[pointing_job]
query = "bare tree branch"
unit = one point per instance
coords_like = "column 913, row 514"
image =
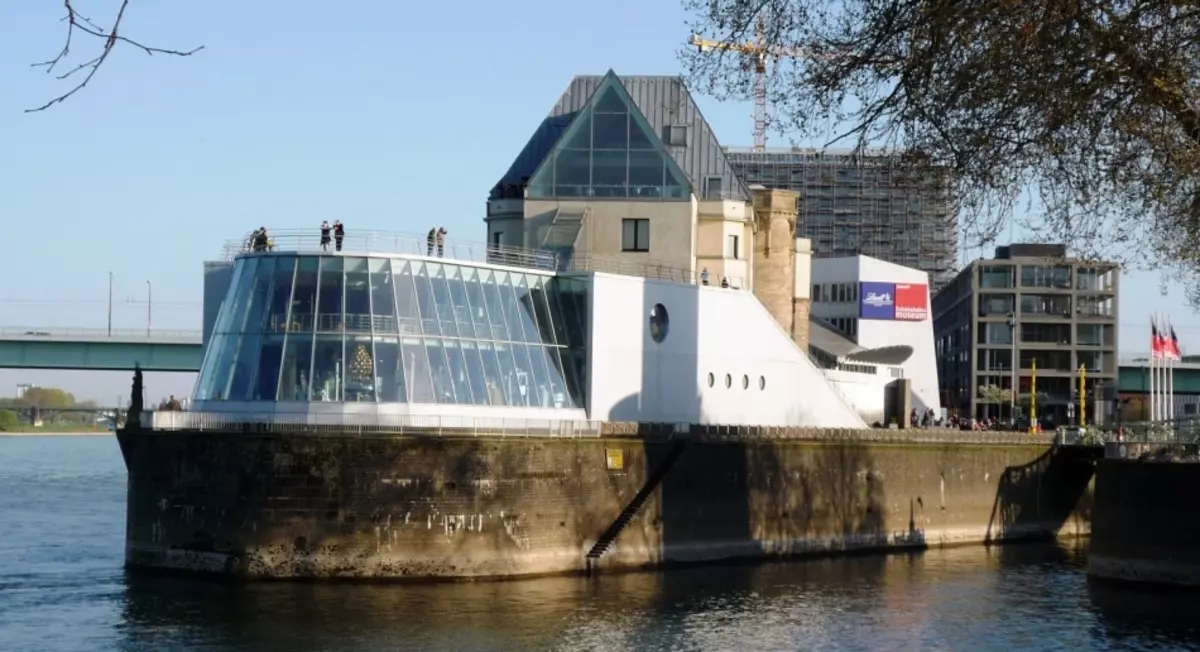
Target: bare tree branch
column 77, row 23
column 1088, row 111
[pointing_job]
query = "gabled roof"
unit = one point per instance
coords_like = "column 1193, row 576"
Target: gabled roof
column 664, row 101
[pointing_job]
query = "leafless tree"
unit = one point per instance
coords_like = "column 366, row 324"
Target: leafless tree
column 81, row 27
column 1089, row 105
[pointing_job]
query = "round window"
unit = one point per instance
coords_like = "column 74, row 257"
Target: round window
column 745, row 382
column 728, row 381
column 660, row 322
column 762, row 382
column 712, row 380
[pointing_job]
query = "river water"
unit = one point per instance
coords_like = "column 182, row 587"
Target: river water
column 62, row 587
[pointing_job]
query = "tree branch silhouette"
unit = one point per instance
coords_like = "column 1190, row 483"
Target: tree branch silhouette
column 78, row 24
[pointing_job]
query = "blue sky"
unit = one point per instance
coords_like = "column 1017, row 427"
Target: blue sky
column 387, row 115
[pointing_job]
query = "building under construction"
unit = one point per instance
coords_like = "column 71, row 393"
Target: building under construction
column 867, row 203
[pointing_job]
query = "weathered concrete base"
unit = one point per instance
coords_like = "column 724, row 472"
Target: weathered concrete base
column 1147, row 522
column 275, row 506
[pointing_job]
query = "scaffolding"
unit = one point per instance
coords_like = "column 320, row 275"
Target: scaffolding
column 866, row 202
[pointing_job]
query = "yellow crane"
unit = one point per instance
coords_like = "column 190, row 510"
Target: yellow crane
column 758, row 55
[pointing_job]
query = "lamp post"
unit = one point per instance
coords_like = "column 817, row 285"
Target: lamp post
column 1012, row 392
column 149, row 306
column 110, row 286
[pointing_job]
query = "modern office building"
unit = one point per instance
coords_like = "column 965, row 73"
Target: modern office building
column 866, row 203
column 1030, row 305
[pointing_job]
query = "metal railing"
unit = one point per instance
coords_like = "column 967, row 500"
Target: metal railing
column 383, row 242
column 361, row 424
column 650, row 269
column 33, row 332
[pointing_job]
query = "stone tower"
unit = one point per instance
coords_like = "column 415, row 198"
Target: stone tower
column 775, row 256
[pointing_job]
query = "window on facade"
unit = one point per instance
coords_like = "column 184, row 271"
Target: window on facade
column 1046, row 333
column 733, row 248
column 995, row 304
column 375, row 330
column 712, row 188
column 1046, row 276
column 1045, row 304
column 1094, row 306
column 497, row 238
column 999, row 276
column 1094, row 335
column 635, row 235
column 995, row 333
column 675, row 135
column 609, row 150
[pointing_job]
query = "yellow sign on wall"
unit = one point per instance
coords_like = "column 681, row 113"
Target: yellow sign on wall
column 615, row 459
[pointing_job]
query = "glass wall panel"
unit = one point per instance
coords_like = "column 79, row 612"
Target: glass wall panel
column 538, row 296
column 567, row 314
column 508, row 376
column 266, row 380
column 383, row 297
column 495, row 306
column 416, row 366
column 360, row 366
column 296, row 368
column 389, row 371
column 329, row 297
column 574, row 365
column 260, row 293
column 529, row 323
column 245, row 363
column 558, row 383
column 429, row 315
column 408, row 315
column 524, row 380
column 281, row 295
column 493, row 375
column 540, row 392
column 458, row 373
column 479, row 316
column 358, row 296
column 441, row 299
column 236, row 317
column 328, row 375
column 225, row 315
column 439, row 371
column 475, row 373
column 512, row 309
column 214, row 365
column 463, row 322
column 302, row 316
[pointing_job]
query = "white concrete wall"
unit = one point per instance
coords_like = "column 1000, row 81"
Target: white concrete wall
column 725, row 334
column 865, row 392
column 921, row 368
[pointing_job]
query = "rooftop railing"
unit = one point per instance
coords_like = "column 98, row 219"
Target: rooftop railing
column 34, row 332
column 383, row 242
column 318, row 424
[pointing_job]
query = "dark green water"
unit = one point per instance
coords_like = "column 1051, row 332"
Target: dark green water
column 62, row 587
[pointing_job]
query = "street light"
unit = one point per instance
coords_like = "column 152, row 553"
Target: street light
column 1012, row 393
column 149, row 306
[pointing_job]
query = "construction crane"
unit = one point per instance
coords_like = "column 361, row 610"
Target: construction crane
column 759, row 54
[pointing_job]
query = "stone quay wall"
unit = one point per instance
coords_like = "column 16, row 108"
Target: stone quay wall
column 271, row 505
column 1147, row 522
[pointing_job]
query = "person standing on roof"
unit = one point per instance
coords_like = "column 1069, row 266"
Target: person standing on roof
column 441, row 241
column 431, row 241
column 325, row 235
column 339, row 234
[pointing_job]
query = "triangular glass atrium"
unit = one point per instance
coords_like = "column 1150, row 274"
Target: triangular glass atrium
column 610, row 150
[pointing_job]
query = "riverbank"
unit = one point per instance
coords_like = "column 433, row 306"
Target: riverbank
column 56, row 432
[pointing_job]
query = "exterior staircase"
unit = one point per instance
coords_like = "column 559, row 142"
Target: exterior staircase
column 656, row 477
column 562, row 234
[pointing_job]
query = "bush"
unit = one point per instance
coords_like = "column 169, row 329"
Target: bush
column 9, row 421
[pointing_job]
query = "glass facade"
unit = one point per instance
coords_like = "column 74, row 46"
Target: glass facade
column 378, row 330
column 610, row 150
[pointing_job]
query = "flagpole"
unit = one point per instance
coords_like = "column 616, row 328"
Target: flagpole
column 1171, row 369
column 1153, row 369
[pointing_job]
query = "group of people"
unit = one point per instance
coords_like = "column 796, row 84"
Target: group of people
column 436, row 240
column 704, row 278
column 339, row 234
column 260, row 241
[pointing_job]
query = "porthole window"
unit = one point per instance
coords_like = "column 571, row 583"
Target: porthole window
column 660, row 322
column 711, row 380
column 728, row 381
column 762, row 382
column 745, row 382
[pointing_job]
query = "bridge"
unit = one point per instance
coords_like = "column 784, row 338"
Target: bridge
column 100, row 349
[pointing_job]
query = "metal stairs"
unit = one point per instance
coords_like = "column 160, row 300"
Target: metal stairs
column 656, row 477
column 563, row 233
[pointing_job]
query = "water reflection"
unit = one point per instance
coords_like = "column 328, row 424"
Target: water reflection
column 1025, row 597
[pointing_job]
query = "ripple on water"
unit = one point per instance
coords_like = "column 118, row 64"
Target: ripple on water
column 62, row 588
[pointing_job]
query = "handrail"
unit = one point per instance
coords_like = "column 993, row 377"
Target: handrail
column 39, row 332
column 310, row 423
column 413, row 244
column 585, row 262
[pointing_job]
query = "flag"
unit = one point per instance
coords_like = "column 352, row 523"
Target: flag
column 1173, row 344
column 1156, row 341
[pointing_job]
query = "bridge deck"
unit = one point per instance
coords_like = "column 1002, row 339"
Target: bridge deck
column 100, row 349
